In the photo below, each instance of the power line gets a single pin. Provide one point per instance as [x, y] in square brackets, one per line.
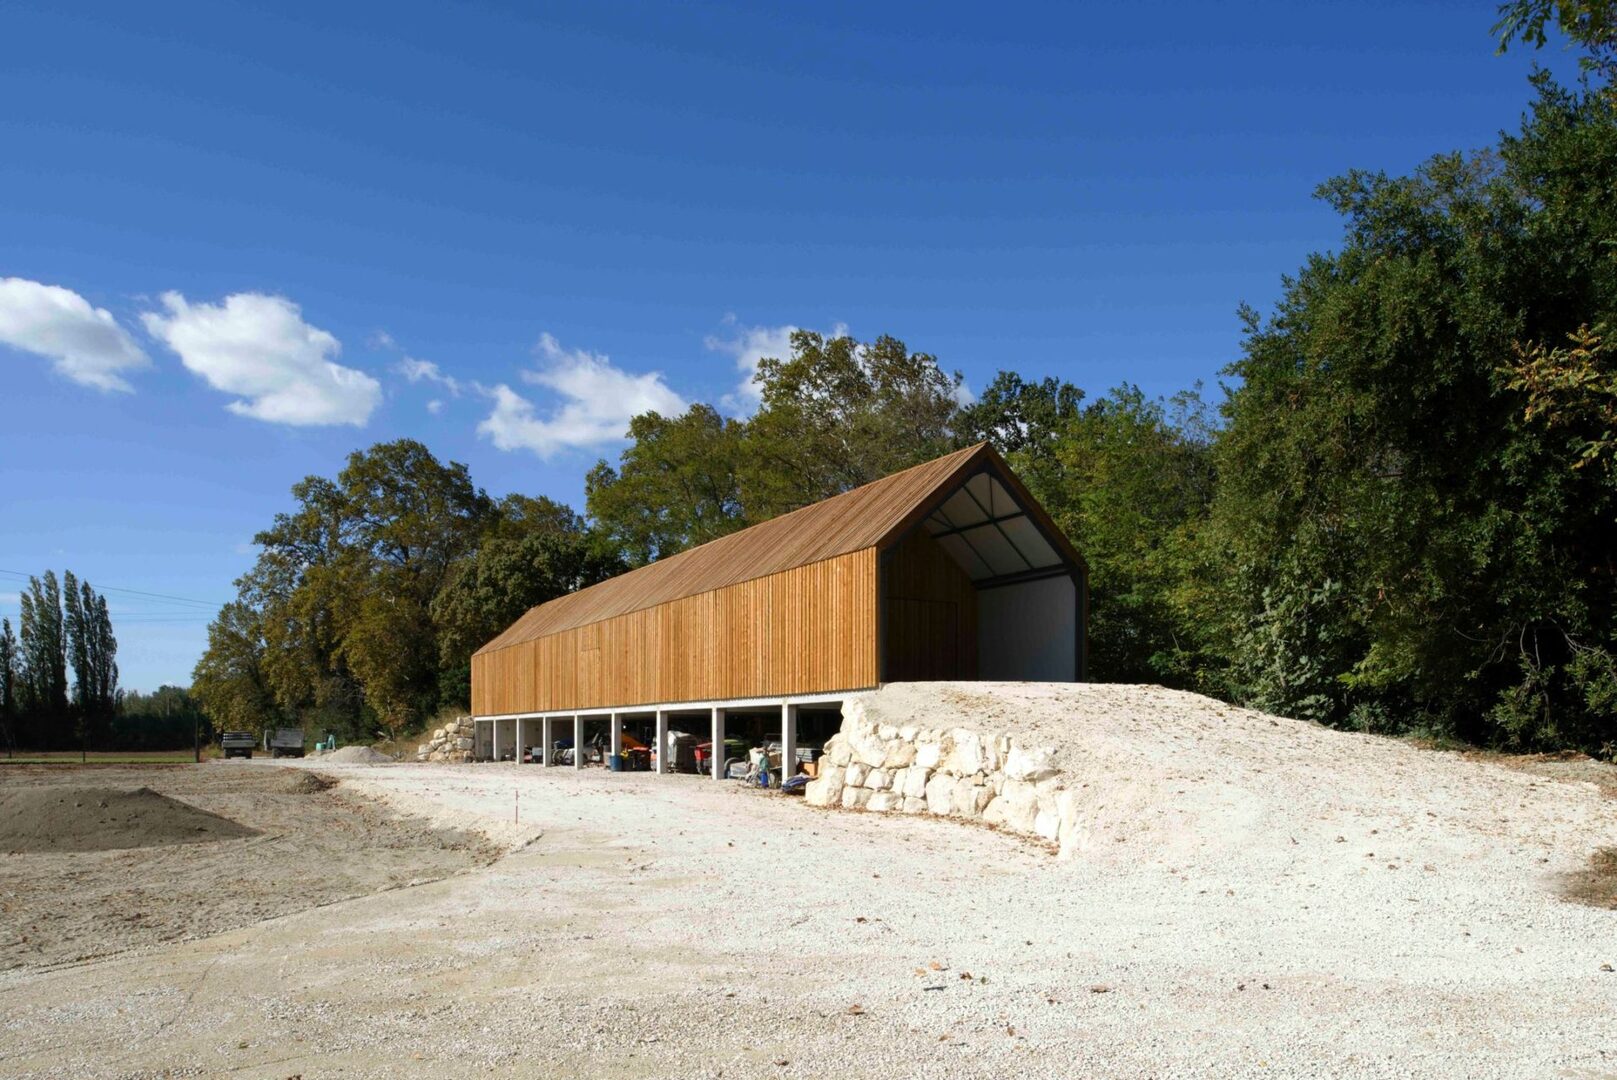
[209, 604]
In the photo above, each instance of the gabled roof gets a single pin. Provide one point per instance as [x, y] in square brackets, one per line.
[875, 515]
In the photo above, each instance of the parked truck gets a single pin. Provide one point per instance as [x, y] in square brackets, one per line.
[237, 743]
[284, 742]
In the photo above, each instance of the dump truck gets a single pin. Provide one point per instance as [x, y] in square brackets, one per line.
[237, 743]
[284, 742]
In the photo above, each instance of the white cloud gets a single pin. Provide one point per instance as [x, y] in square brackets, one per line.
[435, 406]
[426, 371]
[84, 343]
[259, 348]
[747, 346]
[596, 402]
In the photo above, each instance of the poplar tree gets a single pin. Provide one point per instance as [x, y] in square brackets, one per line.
[8, 683]
[44, 650]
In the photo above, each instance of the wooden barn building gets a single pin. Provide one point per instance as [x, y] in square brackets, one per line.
[948, 570]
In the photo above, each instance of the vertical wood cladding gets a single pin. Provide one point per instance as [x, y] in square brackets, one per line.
[809, 629]
[929, 614]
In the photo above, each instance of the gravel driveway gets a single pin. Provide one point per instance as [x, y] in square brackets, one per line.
[1277, 900]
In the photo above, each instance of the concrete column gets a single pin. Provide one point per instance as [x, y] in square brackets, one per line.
[662, 742]
[617, 734]
[545, 752]
[578, 741]
[788, 742]
[718, 744]
[522, 748]
[494, 739]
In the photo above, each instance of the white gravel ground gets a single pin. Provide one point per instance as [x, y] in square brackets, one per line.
[1266, 899]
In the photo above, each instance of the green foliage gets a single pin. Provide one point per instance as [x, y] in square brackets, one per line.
[169, 718]
[1591, 24]
[1402, 540]
[534, 551]
[676, 485]
[63, 627]
[835, 414]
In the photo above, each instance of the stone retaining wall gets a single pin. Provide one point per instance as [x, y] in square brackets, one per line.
[452, 742]
[989, 777]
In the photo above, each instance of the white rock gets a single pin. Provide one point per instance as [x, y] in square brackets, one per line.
[879, 780]
[914, 806]
[1021, 801]
[837, 751]
[883, 801]
[826, 789]
[994, 812]
[869, 750]
[915, 779]
[463, 744]
[1047, 825]
[908, 732]
[939, 794]
[856, 774]
[966, 755]
[886, 732]
[900, 754]
[928, 754]
[854, 798]
[1030, 763]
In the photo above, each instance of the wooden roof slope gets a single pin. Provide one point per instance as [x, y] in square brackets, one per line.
[870, 516]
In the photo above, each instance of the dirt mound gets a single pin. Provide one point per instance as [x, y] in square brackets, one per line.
[357, 755]
[306, 783]
[104, 819]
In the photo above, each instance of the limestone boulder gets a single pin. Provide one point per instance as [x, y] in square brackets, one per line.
[856, 773]
[826, 789]
[928, 754]
[900, 754]
[940, 794]
[879, 780]
[1033, 763]
[915, 778]
[883, 801]
[838, 752]
[913, 805]
[855, 798]
[1021, 807]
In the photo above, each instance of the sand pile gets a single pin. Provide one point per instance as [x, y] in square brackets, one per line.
[357, 755]
[104, 819]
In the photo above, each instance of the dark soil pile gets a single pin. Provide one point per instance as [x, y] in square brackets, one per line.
[103, 819]
[306, 783]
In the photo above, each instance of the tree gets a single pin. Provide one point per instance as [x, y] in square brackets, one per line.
[839, 413]
[334, 619]
[229, 683]
[1402, 546]
[1591, 24]
[676, 485]
[8, 684]
[536, 551]
[44, 651]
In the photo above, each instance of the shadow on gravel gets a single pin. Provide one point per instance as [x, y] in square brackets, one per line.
[1597, 885]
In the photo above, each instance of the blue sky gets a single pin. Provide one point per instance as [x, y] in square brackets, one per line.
[239, 242]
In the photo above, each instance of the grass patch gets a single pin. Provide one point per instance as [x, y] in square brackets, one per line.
[106, 757]
[1596, 885]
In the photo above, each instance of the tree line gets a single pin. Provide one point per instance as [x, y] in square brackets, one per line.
[58, 669]
[1396, 515]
